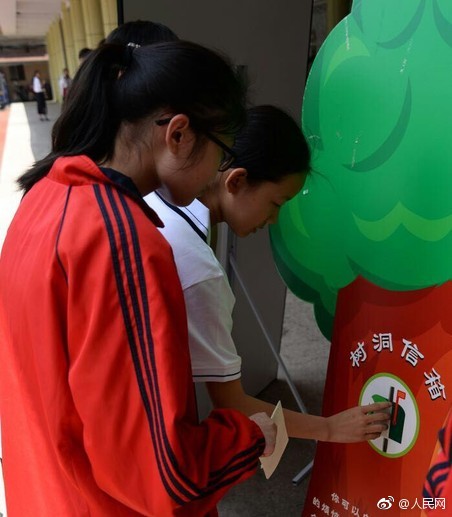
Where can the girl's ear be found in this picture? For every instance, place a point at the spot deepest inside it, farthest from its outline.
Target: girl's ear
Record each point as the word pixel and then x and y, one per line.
pixel 178 133
pixel 236 180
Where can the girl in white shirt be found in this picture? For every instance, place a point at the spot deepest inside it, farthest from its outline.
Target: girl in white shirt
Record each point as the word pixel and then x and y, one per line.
pixel 39 92
pixel 266 167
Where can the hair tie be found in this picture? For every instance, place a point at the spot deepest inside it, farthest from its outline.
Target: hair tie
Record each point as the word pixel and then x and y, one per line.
pixel 130 49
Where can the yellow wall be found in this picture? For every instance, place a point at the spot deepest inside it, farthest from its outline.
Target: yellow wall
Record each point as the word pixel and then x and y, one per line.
pixel 94 28
pixel 109 15
pixel 82 23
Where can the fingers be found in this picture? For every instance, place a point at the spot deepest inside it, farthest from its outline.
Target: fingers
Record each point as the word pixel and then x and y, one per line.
pixel 269 449
pixel 372 436
pixel 377 412
pixel 360 423
pixel 268 429
pixel 377 417
pixel 376 428
pixel 377 406
pixel 270 440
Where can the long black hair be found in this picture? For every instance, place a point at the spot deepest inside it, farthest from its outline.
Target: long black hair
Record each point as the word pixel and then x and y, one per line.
pixel 270 146
pixel 119 83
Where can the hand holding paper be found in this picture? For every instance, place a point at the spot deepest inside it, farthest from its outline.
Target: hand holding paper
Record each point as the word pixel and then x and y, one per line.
pixel 270 463
pixel 268 429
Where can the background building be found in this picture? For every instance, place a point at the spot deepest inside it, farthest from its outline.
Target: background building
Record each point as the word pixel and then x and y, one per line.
pixel 47 35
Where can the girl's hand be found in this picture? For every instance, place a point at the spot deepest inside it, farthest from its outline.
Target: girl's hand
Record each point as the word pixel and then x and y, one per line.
pixel 358 424
pixel 268 429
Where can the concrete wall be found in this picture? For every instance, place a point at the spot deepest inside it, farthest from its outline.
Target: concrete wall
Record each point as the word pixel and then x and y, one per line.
pixel 271 38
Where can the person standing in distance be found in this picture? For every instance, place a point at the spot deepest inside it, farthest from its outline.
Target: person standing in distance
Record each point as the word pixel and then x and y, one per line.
pixel 39 93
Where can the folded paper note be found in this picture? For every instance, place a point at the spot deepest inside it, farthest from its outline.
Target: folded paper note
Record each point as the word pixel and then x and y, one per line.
pixel 270 463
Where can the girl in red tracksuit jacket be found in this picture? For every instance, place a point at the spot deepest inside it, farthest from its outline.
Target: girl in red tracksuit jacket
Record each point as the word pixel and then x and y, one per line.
pixel 97 404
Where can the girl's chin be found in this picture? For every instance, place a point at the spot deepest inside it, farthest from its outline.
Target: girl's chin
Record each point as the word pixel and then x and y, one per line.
pixel 245 233
pixel 176 199
pixel 183 201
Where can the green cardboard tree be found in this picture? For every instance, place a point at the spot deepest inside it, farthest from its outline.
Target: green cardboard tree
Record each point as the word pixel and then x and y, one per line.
pixel 377 113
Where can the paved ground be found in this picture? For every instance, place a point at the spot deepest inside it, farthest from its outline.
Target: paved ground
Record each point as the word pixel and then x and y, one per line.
pixel 24 139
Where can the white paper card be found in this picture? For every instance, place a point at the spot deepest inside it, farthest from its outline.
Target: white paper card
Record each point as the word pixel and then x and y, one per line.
pixel 270 463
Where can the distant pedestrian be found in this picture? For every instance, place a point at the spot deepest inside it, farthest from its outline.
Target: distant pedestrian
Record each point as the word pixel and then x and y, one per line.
pixel 83 54
pixel 4 94
pixel 39 92
pixel 64 83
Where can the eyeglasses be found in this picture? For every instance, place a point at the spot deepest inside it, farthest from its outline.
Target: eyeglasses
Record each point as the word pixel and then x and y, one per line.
pixel 228 154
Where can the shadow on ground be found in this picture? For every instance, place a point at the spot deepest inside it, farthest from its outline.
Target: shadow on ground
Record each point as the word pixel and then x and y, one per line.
pixel 40 131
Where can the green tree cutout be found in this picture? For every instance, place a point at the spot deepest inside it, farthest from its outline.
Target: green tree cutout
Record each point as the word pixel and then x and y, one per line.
pixel 377 113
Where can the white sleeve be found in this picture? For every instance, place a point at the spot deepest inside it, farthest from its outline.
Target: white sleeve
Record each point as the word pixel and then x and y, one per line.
pixel 209 307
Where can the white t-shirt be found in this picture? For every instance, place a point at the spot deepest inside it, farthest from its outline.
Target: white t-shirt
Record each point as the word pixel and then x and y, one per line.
pixel 37 85
pixel 208 296
pixel 64 83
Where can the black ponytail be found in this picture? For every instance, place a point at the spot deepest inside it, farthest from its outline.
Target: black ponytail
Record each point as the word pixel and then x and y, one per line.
pixel 119 84
pixel 88 123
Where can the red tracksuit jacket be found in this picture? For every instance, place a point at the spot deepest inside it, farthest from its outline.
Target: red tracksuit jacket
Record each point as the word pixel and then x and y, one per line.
pixel 438 483
pixel 98 409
